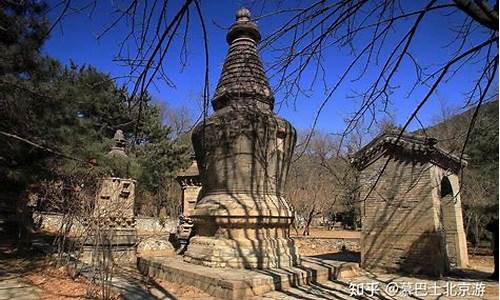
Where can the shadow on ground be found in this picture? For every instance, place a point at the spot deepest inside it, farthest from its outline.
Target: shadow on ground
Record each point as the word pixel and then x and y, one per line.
pixel 343 256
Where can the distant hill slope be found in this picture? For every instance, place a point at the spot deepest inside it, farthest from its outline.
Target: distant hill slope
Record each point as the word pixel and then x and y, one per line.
pixel 452 132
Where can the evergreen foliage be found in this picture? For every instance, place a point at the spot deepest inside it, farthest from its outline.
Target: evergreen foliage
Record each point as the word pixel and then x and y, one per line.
pixel 72 110
pixel 479 189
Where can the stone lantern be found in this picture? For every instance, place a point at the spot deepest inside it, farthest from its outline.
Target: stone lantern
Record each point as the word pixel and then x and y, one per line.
pixel 189 181
pixel 243 152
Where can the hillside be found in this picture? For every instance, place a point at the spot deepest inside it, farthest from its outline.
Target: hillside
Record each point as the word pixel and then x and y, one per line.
pixel 452 131
pixel 480 178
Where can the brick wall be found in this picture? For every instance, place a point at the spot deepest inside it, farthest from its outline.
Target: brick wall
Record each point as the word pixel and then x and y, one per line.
pixel 451 215
pixel 400 223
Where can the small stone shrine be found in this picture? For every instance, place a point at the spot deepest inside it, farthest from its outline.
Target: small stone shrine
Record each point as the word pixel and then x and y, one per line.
pixel 190 183
pixel 243 152
pixel 411 208
pixel 113 223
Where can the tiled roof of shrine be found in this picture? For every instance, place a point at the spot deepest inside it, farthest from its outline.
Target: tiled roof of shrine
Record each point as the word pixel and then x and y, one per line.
pixel 421 146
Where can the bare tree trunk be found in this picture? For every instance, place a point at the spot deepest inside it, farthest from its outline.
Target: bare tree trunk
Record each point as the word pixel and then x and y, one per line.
pixel 309 220
pixel 466 223
pixel 476 231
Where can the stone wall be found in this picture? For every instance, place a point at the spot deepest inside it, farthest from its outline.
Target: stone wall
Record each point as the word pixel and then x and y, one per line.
pixel 446 196
pixel 155 226
pixel 146 226
pixel 49 222
pixel 400 222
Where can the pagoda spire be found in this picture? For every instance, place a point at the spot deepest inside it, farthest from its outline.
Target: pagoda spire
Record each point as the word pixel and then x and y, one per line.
pixel 243 80
pixel 118 150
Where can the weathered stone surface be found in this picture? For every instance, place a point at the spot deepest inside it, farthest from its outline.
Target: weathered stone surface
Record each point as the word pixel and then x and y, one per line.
pixel 155 247
pixel 390 286
pixel 334 244
pixel 244 284
pixel 115 202
pixel 155 226
pixel 145 226
pixel 120 254
pixel 243 79
pixel 111 229
pixel 118 150
pixel 408 223
pixel 243 152
pixel 191 185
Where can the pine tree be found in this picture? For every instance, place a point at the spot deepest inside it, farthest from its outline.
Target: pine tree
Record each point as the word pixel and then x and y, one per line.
pixel 56 122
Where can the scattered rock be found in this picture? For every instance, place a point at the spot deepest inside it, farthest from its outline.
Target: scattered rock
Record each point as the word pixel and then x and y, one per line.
pixel 155 247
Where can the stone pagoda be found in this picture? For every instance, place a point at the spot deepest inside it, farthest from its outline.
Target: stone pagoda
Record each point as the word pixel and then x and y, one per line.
pixel 118 150
pixel 113 223
pixel 243 152
pixel 411 211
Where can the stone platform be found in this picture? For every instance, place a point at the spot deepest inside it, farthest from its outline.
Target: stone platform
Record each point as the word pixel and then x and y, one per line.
pixel 241 283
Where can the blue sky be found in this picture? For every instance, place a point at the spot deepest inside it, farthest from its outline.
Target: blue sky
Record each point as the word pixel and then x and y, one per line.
pixel 76 40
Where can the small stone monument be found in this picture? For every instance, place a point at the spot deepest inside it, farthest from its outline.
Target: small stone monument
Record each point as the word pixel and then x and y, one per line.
pixel 118 150
pixel 243 152
pixel 113 223
pixel 190 183
pixel 411 211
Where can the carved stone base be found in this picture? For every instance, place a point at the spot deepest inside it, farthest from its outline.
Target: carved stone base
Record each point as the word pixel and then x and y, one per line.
pixel 118 254
pixel 238 284
pixel 242 231
pixel 117 244
pixel 242 253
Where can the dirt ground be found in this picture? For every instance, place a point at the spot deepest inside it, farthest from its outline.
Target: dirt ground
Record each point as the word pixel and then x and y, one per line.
pixel 47 280
pixel 51 282
pixel 56 284
pixel 480 266
pixel 309 246
pixel 320 232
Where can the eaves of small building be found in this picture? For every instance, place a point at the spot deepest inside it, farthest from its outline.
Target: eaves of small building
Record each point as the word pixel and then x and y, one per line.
pixel 397 143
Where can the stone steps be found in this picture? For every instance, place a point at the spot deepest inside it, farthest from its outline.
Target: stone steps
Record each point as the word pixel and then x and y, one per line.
pixel 227 283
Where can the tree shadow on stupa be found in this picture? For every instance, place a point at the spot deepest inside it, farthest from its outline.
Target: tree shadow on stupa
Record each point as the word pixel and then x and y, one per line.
pixel 243 151
pixel 243 155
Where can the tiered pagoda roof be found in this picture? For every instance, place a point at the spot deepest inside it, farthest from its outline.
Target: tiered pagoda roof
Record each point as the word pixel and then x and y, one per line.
pixel 243 80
